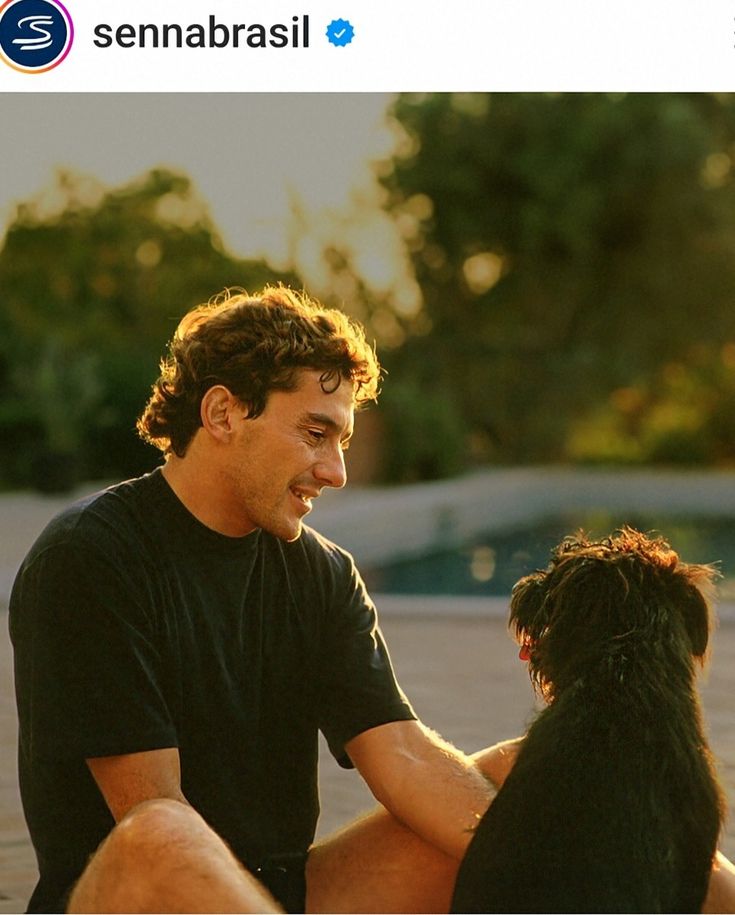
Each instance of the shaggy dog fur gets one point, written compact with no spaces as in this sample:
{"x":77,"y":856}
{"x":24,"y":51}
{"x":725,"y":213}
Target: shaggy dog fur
{"x":613,"y":804}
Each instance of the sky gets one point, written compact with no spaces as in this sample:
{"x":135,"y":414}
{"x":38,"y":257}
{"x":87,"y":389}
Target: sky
{"x":251,"y":157}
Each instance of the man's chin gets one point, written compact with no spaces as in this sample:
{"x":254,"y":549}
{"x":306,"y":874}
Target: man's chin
{"x":286,"y":532}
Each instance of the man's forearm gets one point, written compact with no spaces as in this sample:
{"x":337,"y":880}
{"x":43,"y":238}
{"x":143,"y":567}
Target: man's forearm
{"x":428,"y":785}
{"x":442,"y":798}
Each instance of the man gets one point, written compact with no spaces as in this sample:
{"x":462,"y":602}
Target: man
{"x":181,"y":638}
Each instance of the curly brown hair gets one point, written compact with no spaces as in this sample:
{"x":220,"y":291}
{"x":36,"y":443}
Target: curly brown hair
{"x":253,"y":345}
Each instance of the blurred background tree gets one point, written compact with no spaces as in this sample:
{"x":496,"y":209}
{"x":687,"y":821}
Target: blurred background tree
{"x":92,"y":285}
{"x":575,"y":257}
{"x":568,"y":295}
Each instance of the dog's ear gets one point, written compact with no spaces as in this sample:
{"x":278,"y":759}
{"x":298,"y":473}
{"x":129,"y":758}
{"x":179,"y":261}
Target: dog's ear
{"x":528,"y":612}
{"x":529,"y":608}
{"x":695,"y":588}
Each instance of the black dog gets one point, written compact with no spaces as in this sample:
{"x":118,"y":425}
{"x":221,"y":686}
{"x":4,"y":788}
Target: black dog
{"x":613,"y":804}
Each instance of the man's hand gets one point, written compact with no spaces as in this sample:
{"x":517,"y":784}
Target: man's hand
{"x":128,"y":780}
{"x":424,"y":782}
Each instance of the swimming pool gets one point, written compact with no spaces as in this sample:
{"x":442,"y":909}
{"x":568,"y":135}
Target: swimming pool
{"x":492,"y":563}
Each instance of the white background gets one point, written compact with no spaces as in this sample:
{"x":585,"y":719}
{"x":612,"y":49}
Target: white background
{"x":513,"y":45}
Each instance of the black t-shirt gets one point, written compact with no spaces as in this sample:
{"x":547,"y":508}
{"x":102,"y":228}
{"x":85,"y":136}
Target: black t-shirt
{"x":136,"y":627}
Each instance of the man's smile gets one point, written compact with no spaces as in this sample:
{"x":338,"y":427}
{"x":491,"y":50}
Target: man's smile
{"x":305,"y":495}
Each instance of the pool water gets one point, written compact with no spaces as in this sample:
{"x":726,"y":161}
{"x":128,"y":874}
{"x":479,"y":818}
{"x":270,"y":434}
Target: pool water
{"x":492,"y":564}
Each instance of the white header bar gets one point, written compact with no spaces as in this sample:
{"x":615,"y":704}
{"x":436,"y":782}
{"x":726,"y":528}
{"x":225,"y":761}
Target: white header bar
{"x":461,"y":45}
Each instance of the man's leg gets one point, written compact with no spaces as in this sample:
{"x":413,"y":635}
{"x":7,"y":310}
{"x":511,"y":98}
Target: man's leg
{"x":378,"y":865}
{"x":163,"y":857}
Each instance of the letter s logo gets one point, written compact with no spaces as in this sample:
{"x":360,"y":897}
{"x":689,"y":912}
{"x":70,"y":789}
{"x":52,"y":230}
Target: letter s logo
{"x":35,"y":24}
{"x":35,"y":35}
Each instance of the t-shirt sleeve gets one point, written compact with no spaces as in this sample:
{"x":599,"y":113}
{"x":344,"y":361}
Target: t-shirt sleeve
{"x":87,"y":665}
{"x":359,"y":689}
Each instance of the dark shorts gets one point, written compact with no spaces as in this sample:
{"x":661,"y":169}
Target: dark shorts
{"x":285,"y":877}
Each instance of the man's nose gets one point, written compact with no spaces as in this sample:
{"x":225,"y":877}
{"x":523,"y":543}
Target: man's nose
{"x":330,"y":469}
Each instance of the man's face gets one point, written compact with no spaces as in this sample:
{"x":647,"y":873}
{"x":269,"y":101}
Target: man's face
{"x":281,"y":460}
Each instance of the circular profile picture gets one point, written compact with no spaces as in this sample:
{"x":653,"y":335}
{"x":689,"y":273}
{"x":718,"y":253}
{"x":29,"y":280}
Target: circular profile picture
{"x":35,"y":35}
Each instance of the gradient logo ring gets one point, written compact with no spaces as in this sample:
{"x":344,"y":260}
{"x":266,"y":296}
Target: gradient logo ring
{"x":35,"y":35}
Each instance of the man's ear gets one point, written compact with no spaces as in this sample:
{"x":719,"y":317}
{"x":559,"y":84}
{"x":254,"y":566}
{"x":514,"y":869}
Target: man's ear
{"x":220,"y":410}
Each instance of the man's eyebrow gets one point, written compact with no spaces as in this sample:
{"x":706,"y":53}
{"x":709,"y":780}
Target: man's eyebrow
{"x":324,"y":420}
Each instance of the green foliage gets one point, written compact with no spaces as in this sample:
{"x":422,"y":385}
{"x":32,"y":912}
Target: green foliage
{"x":684,"y":414}
{"x":89,"y":294}
{"x":427,"y":437}
{"x":568,"y":247}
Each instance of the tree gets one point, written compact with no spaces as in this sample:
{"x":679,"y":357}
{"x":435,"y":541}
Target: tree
{"x":89,"y":294}
{"x":568,"y":248}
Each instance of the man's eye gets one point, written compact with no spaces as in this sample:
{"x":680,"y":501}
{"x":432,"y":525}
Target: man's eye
{"x":316,"y":434}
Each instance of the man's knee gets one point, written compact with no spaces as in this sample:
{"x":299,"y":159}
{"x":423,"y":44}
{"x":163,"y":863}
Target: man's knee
{"x":160,"y":817}
{"x":154,"y":829}
{"x":133,"y":859}
{"x":162,"y":856}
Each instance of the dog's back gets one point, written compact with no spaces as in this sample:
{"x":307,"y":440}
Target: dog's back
{"x":613,"y":804}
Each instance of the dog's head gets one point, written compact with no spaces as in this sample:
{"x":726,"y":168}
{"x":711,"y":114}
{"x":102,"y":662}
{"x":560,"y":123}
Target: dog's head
{"x":604,"y":603}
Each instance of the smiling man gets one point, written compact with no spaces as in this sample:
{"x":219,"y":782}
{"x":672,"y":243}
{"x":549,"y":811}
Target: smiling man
{"x":181,"y":638}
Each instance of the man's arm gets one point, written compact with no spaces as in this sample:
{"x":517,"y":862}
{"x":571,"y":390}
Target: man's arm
{"x":426,"y":783}
{"x":496,"y":762}
{"x":128,"y":780}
